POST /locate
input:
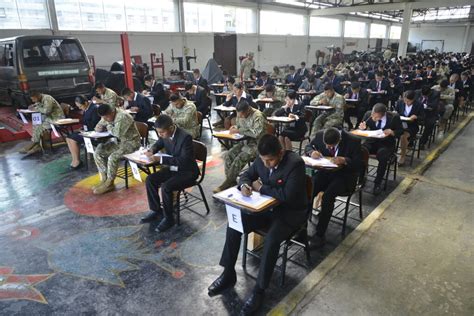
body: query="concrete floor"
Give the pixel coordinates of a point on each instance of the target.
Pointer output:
(65, 251)
(417, 259)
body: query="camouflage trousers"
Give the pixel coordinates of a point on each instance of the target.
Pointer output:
(326, 120)
(236, 159)
(38, 130)
(108, 155)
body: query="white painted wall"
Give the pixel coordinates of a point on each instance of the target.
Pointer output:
(453, 35)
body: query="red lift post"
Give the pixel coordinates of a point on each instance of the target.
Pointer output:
(157, 63)
(127, 65)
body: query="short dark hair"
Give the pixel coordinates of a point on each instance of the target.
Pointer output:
(331, 136)
(303, 63)
(80, 99)
(104, 109)
(35, 93)
(175, 97)
(379, 74)
(330, 73)
(292, 94)
(409, 94)
(148, 78)
(269, 88)
(425, 90)
(355, 85)
(379, 108)
(292, 67)
(328, 86)
(444, 83)
(164, 122)
(263, 74)
(231, 80)
(242, 106)
(98, 85)
(238, 85)
(196, 71)
(126, 92)
(269, 145)
(188, 85)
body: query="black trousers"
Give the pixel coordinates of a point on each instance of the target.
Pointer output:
(429, 125)
(383, 153)
(279, 231)
(169, 182)
(332, 185)
(357, 112)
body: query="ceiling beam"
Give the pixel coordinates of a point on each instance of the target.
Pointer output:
(422, 4)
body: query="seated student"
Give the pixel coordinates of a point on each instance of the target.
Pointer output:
(347, 152)
(199, 96)
(302, 72)
(157, 91)
(296, 130)
(279, 174)
(429, 99)
(381, 86)
(263, 81)
(396, 88)
(251, 123)
(464, 89)
(430, 75)
(108, 155)
(199, 80)
(138, 103)
(90, 118)
(409, 107)
(50, 111)
(233, 99)
(446, 107)
(276, 75)
(274, 93)
(310, 84)
(105, 95)
(357, 109)
(334, 80)
(406, 80)
(380, 118)
(329, 118)
(418, 78)
(292, 79)
(184, 114)
(177, 172)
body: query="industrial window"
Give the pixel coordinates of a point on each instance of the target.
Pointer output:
(324, 27)
(355, 29)
(202, 17)
(281, 23)
(441, 13)
(395, 32)
(24, 14)
(117, 15)
(378, 30)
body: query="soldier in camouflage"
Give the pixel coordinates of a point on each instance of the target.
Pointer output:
(276, 94)
(333, 118)
(184, 114)
(108, 155)
(105, 95)
(250, 122)
(50, 111)
(245, 67)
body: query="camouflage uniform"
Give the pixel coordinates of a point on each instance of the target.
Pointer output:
(246, 66)
(185, 118)
(446, 100)
(110, 97)
(245, 151)
(127, 140)
(50, 111)
(329, 118)
(279, 96)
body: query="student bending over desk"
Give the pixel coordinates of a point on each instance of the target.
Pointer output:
(297, 129)
(90, 118)
(178, 172)
(108, 155)
(279, 174)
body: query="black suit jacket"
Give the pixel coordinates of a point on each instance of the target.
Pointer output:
(298, 109)
(363, 97)
(417, 109)
(160, 95)
(393, 122)
(294, 79)
(385, 86)
(431, 101)
(202, 82)
(349, 148)
(287, 184)
(181, 150)
(233, 101)
(201, 100)
(144, 105)
(90, 118)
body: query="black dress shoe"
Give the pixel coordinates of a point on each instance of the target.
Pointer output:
(150, 217)
(79, 166)
(164, 225)
(253, 304)
(317, 242)
(377, 189)
(221, 284)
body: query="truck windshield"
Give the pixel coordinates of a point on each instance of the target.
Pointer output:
(42, 52)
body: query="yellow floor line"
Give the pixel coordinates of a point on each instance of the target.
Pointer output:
(291, 301)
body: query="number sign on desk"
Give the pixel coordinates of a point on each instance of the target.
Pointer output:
(135, 171)
(36, 118)
(234, 217)
(23, 118)
(89, 147)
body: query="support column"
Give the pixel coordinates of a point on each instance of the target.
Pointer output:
(464, 47)
(403, 44)
(127, 61)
